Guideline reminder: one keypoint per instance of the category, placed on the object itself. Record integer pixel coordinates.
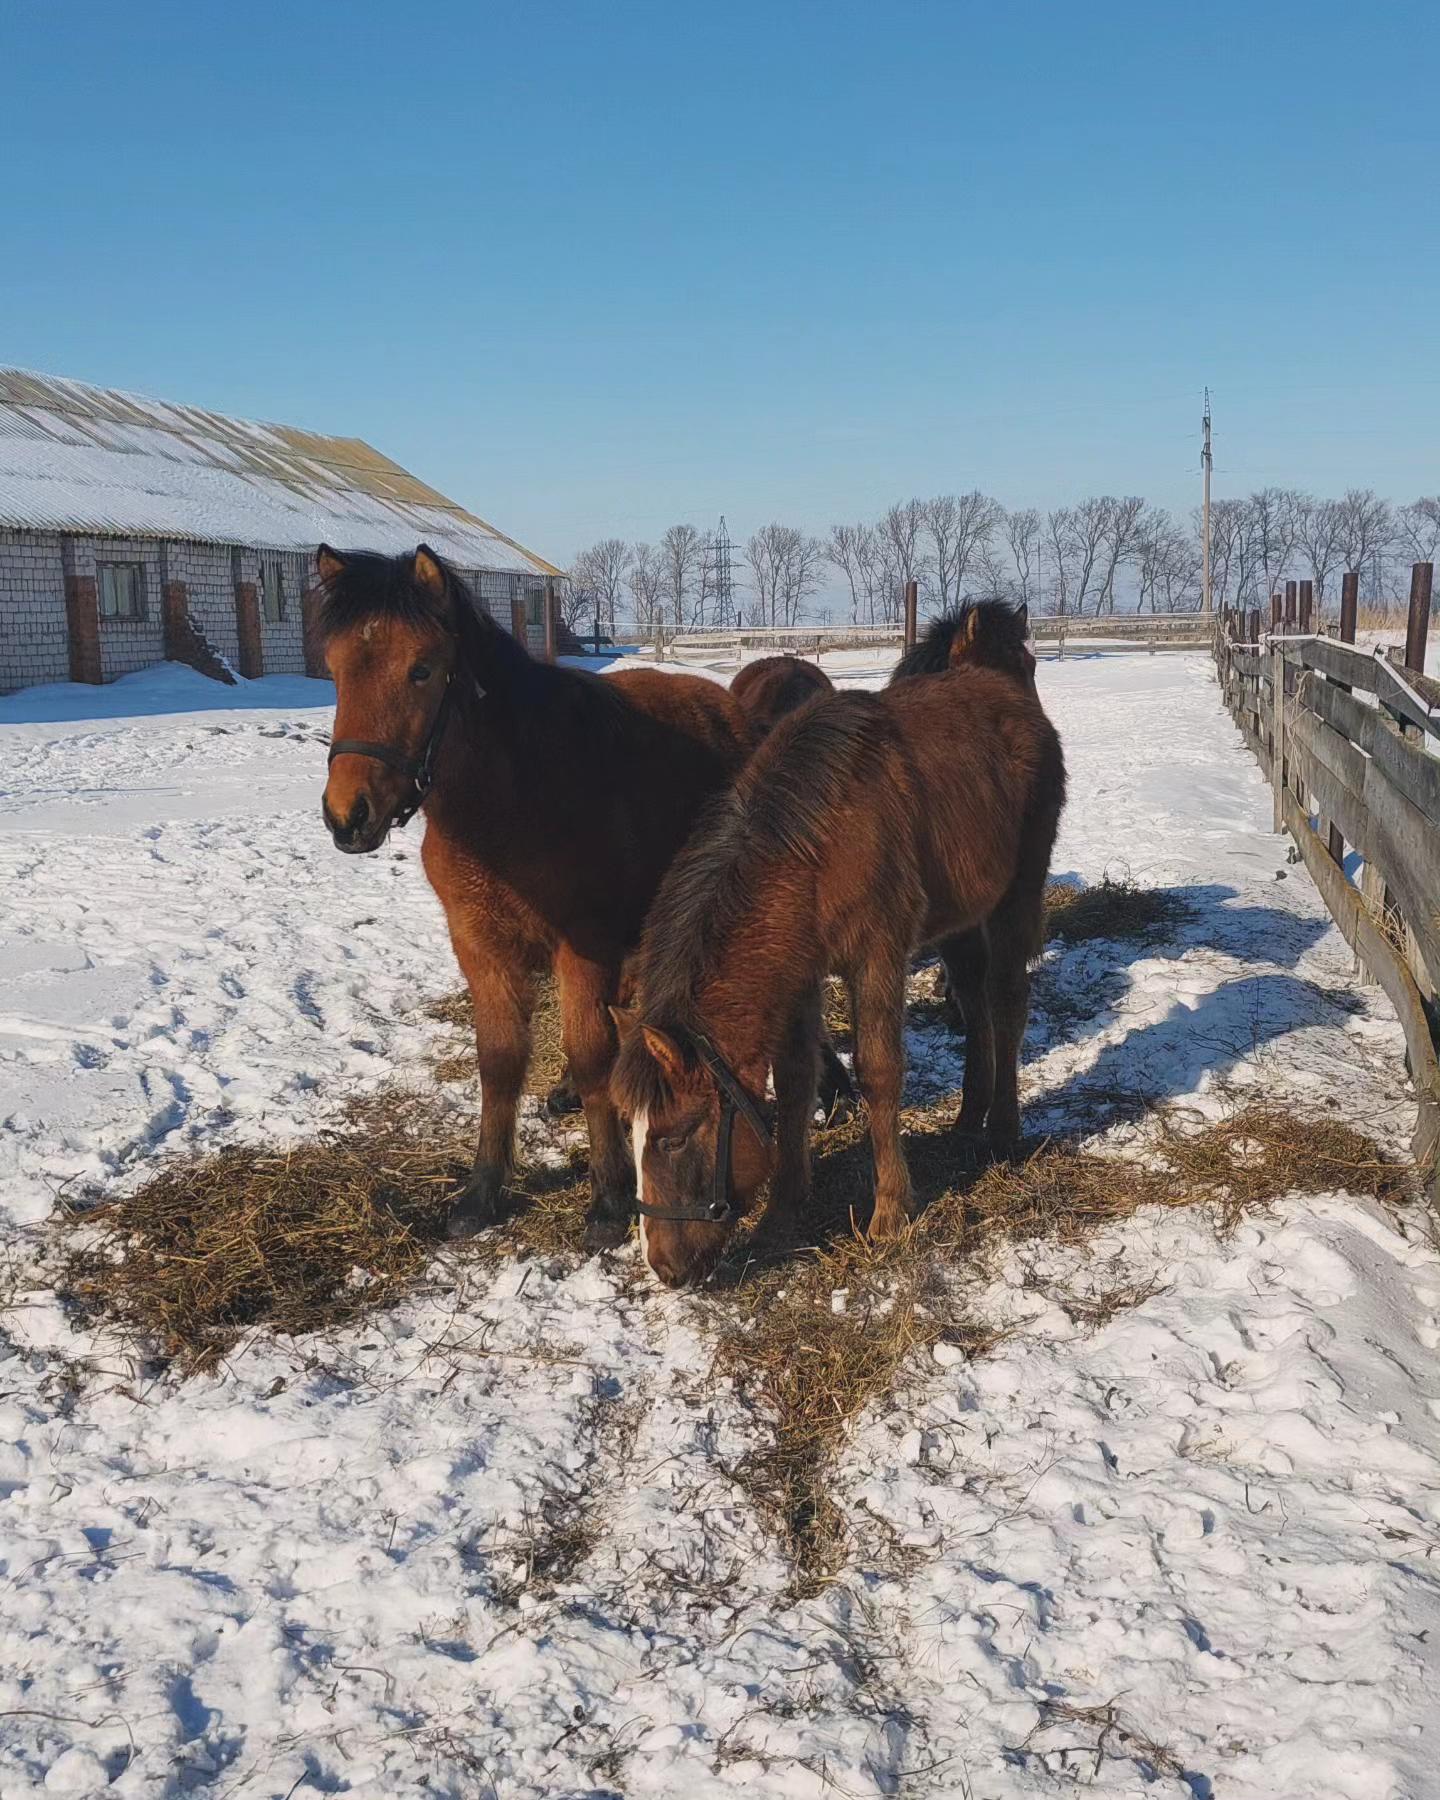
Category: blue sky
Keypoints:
(593, 268)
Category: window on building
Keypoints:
(122, 590)
(535, 607)
(272, 592)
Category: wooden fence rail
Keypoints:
(1345, 738)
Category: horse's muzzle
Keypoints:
(361, 832)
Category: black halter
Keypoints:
(733, 1100)
(420, 769)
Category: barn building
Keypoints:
(133, 531)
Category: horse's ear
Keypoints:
(666, 1052)
(429, 573)
(625, 1018)
(329, 565)
(964, 637)
(1022, 617)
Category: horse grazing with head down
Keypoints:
(554, 801)
(865, 826)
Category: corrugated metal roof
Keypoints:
(80, 458)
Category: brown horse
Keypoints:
(776, 685)
(767, 690)
(554, 801)
(864, 827)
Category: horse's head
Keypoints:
(703, 1145)
(987, 634)
(994, 635)
(392, 641)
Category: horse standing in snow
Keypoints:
(865, 826)
(554, 801)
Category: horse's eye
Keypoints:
(421, 672)
(668, 1146)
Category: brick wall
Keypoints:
(38, 568)
(34, 641)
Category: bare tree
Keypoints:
(681, 559)
(1318, 531)
(1227, 527)
(1059, 527)
(646, 581)
(1076, 535)
(1366, 529)
(902, 534)
(852, 551)
(1022, 534)
(1417, 529)
(1167, 563)
(599, 573)
(785, 566)
(1275, 523)
(1118, 521)
(960, 527)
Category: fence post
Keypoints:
(549, 620)
(912, 602)
(1277, 609)
(1417, 630)
(1291, 590)
(1417, 626)
(1307, 607)
(1349, 612)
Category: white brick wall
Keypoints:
(34, 639)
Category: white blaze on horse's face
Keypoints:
(639, 1130)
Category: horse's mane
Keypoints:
(369, 586)
(785, 806)
(996, 622)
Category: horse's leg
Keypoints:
(502, 998)
(587, 989)
(967, 960)
(878, 990)
(795, 1070)
(1016, 931)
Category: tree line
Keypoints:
(1103, 554)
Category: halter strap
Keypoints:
(733, 1100)
(420, 770)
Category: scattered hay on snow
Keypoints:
(299, 1241)
(816, 1340)
(1109, 909)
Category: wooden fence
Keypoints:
(1346, 737)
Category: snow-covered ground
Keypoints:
(1219, 1513)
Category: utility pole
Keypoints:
(724, 579)
(1206, 459)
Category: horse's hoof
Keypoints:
(606, 1231)
(563, 1099)
(886, 1226)
(476, 1207)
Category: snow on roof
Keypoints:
(80, 458)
